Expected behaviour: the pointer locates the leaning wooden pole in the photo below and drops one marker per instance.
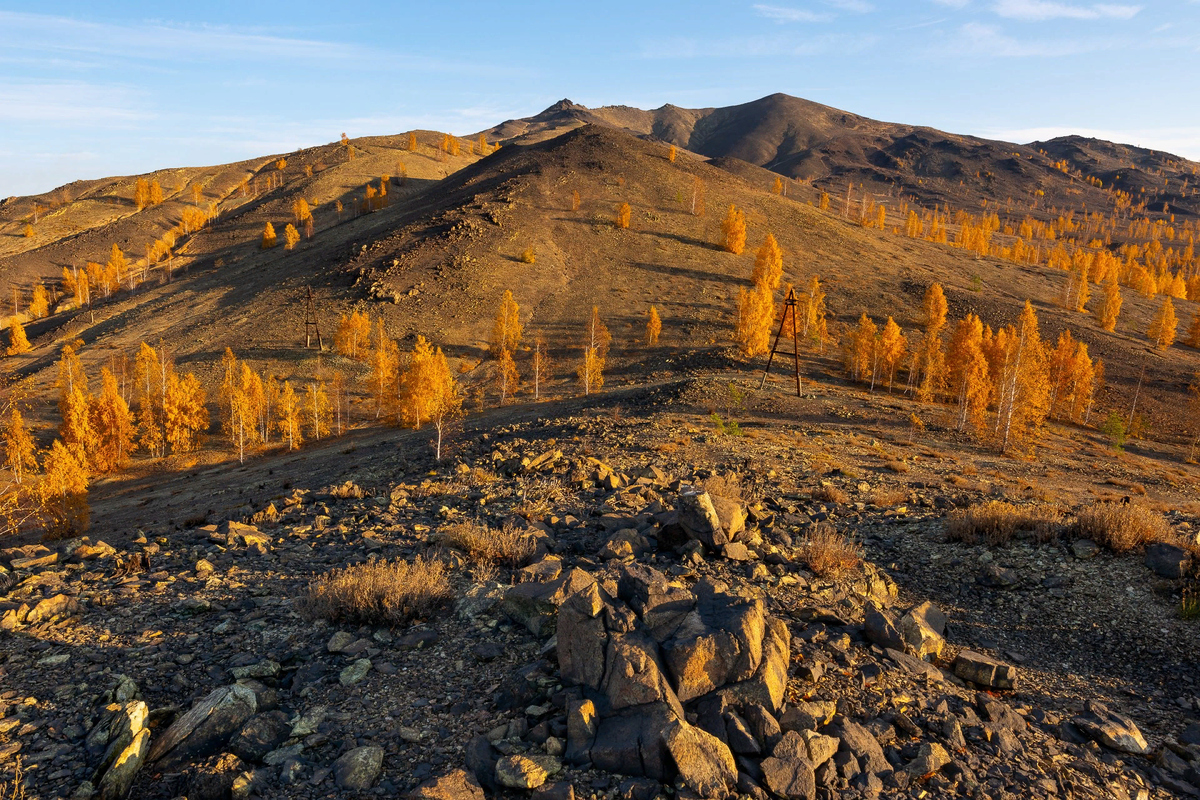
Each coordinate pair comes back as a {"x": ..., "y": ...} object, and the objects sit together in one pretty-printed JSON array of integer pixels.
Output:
[{"x": 789, "y": 310}]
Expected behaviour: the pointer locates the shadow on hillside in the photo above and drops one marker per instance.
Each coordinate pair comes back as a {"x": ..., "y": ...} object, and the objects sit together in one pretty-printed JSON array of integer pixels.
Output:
[{"x": 686, "y": 272}]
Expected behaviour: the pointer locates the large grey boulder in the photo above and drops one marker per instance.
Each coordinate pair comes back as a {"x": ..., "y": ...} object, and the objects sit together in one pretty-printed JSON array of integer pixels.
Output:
[
  {"x": 789, "y": 771},
  {"x": 357, "y": 769},
  {"x": 205, "y": 728},
  {"x": 1114, "y": 731},
  {"x": 699, "y": 520},
  {"x": 985, "y": 671},
  {"x": 1168, "y": 560},
  {"x": 705, "y": 763}
]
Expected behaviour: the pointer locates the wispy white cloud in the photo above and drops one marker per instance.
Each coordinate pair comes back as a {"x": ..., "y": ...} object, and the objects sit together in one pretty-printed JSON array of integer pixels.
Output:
[
  {"x": 784, "y": 14},
  {"x": 757, "y": 46},
  {"x": 953, "y": 3},
  {"x": 162, "y": 45},
  {"x": 853, "y": 6},
  {"x": 978, "y": 39},
  {"x": 1039, "y": 10},
  {"x": 71, "y": 102}
]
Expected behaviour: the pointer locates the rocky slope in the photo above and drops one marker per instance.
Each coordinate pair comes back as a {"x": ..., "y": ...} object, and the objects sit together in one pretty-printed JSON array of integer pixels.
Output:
[{"x": 666, "y": 632}]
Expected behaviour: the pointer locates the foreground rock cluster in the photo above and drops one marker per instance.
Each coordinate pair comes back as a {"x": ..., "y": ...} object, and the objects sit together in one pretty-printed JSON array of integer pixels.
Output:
[{"x": 659, "y": 640}]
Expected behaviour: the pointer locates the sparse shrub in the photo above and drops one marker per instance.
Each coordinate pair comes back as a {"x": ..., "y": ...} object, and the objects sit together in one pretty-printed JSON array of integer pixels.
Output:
[
  {"x": 729, "y": 486},
  {"x": 829, "y": 553},
  {"x": 483, "y": 544},
  {"x": 830, "y": 494},
  {"x": 1189, "y": 606},
  {"x": 1114, "y": 428},
  {"x": 379, "y": 592},
  {"x": 996, "y": 522},
  {"x": 886, "y": 498},
  {"x": 1122, "y": 527},
  {"x": 896, "y": 466},
  {"x": 731, "y": 428},
  {"x": 527, "y": 256}
]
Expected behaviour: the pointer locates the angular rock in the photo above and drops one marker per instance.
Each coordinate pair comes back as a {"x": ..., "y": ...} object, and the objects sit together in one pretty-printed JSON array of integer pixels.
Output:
[
  {"x": 880, "y": 629},
  {"x": 358, "y": 769},
  {"x": 922, "y": 629},
  {"x": 116, "y": 782},
  {"x": 261, "y": 734},
  {"x": 207, "y": 726},
  {"x": 700, "y": 664},
  {"x": 57, "y": 606},
  {"x": 355, "y": 673},
  {"x": 1168, "y": 560},
  {"x": 456, "y": 785},
  {"x": 984, "y": 671},
  {"x": 731, "y": 515},
  {"x": 632, "y": 742},
  {"x": 858, "y": 742},
  {"x": 581, "y": 730},
  {"x": 705, "y": 764},
  {"x": 820, "y": 747},
  {"x": 930, "y": 758},
  {"x": 788, "y": 772},
  {"x": 214, "y": 778},
  {"x": 633, "y": 675},
  {"x": 525, "y": 772},
  {"x": 807, "y": 715},
  {"x": 582, "y": 639},
  {"x": 699, "y": 520},
  {"x": 1114, "y": 731}
]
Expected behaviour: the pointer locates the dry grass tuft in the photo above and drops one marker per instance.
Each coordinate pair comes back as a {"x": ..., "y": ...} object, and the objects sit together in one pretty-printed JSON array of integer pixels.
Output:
[
  {"x": 896, "y": 466},
  {"x": 829, "y": 553},
  {"x": 1121, "y": 527},
  {"x": 1131, "y": 486},
  {"x": 886, "y": 498},
  {"x": 489, "y": 546},
  {"x": 728, "y": 486},
  {"x": 429, "y": 489},
  {"x": 995, "y": 522},
  {"x": 830, "y": 494},
  {"x": 379, "y": 592}
]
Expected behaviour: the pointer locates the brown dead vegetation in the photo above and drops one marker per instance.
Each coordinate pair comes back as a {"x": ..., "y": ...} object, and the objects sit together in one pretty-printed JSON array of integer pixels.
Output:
[
  {"x": 1122, "y": 527},
  {"x": 829, "y": 553},
  {"x": 996, "y": 522},
  {"x": 488, "y": 546},
  {"x": 379, "y": 592}
]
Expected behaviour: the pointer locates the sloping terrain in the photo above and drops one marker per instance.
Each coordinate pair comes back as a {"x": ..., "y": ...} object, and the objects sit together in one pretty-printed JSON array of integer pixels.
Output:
[{"x": 832, "y": 149}]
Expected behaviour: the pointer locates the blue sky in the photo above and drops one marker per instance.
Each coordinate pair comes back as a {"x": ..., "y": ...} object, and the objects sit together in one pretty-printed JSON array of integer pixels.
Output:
[{"x": 90, "y": 89}]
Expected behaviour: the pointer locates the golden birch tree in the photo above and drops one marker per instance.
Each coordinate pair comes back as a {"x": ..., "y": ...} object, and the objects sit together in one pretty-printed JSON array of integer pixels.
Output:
[
  {"x": 269, "y": 239},
  {"x": 768, "y": 264},
  {"x": 1164, "y": 325},
  {"x": 112, "y": 427},
  {"x": 733, "y": 231},
  {"x": 507, "y": 328},
  {"x": 290, "y": 422},
  {"x": 20, "y": 454},
  {"x": 595, "y": 351},
  {"x": 62, "y": 492},
  {"x": 18, "y": 342},
  {"x": 654, "y": 327}
]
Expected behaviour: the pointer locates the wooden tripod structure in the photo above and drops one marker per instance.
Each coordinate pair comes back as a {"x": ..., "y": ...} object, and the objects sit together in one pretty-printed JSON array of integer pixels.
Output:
[
  {"x": 789, "y": 310},
  {"x": 311, "y": 329}
]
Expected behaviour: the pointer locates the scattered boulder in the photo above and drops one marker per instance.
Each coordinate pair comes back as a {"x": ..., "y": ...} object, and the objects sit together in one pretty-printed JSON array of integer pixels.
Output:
[
  {"x": 1114, "y": 731},
  {"x": 205, "y": 728},
  {"x": 699, "y": 520},
  {"x": 456, "y": 785},
  {"x": 705, "y": 764},
  {"x": 1168, "y": 560},
  {"x": 880, "y": 628},
  {"x": 923, "y": 628},
  {"x": 525, "y": 771},
  {"x": 984, "y": 671},
  {"x": 357, "y": 769},
  {"x": 789, "y": 772}
]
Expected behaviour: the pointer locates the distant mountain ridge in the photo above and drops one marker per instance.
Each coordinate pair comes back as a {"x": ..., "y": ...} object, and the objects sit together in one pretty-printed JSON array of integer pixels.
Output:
[{"x": 831, "y": 148}]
